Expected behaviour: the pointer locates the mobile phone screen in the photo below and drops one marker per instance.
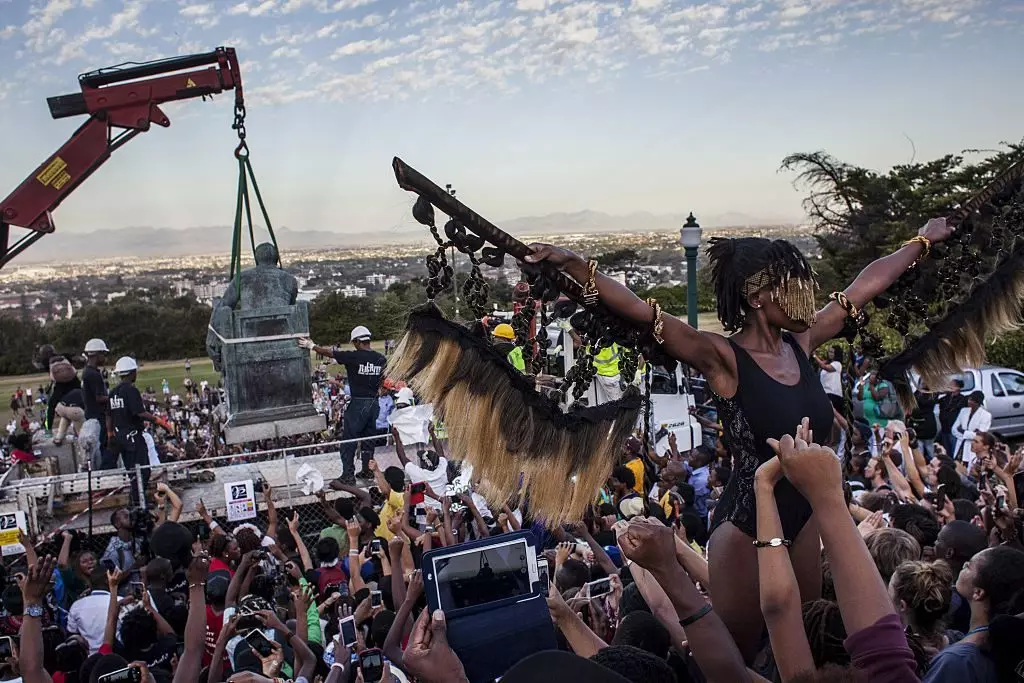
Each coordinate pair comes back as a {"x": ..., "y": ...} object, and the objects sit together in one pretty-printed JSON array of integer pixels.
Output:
[
  {"x": 542, "y": 571},
  {"x": 6, "y": 649},
  {"x": 600, "y": 587},
  {"x": 375, "y": 599},
  {"x": 347, "y": 626},
  {"x": 259, "y": 642}
]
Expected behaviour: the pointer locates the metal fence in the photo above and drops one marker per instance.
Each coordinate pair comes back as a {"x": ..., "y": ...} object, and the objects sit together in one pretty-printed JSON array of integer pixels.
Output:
[{"x": 44, "y": 499}]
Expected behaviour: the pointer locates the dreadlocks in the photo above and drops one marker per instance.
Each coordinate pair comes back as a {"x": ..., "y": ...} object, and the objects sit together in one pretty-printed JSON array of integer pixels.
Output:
[{"x": 745, "y": 265}]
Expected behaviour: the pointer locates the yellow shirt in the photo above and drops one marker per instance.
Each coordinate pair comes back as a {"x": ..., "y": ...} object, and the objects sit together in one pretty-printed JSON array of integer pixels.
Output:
[
  {"x": 636, "y": 466},
  {"x": 666, "y": 504},
  {"x": 392, "y": 506}
]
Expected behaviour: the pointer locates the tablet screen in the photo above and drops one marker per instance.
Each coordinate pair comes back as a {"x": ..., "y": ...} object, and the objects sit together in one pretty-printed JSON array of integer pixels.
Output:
[{"x": 481, "y": 576}]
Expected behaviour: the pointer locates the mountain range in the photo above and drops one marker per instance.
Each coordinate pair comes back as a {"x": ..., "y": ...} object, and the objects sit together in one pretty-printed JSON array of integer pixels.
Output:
[{"x": 153, "y": 242}]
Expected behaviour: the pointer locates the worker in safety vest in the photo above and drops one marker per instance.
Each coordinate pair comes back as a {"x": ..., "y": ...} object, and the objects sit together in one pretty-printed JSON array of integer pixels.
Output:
[
  {"x": 504, "y": 340},
  {"x": 608, "y": 381}
]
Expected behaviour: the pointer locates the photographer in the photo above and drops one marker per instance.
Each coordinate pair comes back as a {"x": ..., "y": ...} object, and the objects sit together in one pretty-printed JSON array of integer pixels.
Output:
[{"x": 124, "y": 550}]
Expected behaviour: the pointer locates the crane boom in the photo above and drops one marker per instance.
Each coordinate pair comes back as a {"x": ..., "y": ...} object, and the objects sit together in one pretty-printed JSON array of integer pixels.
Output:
[{"x": 121, "y": 102}]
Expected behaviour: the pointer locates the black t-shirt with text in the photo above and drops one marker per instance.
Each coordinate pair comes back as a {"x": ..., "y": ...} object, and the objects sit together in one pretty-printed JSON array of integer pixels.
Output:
[
  {"x": 125, "y": 407},
  {"x": 365, "y": 370},
  {"x": 93, "y": 385}
]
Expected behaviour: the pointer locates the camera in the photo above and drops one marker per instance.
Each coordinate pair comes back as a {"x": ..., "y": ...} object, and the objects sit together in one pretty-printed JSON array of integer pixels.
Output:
[{"x": 141, "y": 521}]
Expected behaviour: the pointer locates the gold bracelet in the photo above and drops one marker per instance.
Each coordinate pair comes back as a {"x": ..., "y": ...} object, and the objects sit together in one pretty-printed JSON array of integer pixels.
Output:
[
  {"x": 590, "y": 293},
  {"x": 659, "y": 320},
  {"x": 924, "y": 242},
  {"x": 844, "y": 303}
]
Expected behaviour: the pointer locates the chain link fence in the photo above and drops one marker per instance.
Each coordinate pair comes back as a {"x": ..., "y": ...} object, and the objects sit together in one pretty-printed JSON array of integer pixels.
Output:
[{"x": 58, "y": 503}]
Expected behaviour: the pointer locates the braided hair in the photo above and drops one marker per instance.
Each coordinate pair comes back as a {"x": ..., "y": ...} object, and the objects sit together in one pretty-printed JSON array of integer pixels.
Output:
[
  {"x": 823, "y": 625},
  {"x": 734, "y": 259}
]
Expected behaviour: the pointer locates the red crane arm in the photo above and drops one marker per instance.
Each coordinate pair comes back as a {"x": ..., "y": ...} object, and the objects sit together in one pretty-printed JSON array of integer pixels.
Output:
[{"x": 121, "y": 102}]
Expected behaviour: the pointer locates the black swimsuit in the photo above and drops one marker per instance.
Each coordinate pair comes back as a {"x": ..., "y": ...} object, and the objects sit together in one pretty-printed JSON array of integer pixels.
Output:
[{"x": 765, "y": 409}]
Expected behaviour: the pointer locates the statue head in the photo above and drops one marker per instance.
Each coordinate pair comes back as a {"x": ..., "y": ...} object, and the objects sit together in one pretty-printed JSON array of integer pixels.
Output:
[{"x": 266, "y": 254}]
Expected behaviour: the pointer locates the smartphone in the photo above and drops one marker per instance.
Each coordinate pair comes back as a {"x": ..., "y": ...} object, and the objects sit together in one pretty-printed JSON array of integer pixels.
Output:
[
  {"x": 347, "y": 626},
  {"x": 259, "y": 642},
  {"x": 1000, "y": 502},
  {"x": 137, "y": 589},
  {"x": 542, "y": 574},
  {"x": 376, "y": 599},
  {"x": 6, "y": 648},
  {"x": 375, "y": 545},
  {"x": 129, "y": 674},
  {"x": 371, "y": 664},
  {"x": 600, "y": 587},
  {"x": 940, "y": 496}
]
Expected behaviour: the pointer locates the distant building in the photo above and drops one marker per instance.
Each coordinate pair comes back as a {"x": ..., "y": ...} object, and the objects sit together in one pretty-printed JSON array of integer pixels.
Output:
[
  {"x": 352, "y": 291},
  {"x": 308, "y": 294}
]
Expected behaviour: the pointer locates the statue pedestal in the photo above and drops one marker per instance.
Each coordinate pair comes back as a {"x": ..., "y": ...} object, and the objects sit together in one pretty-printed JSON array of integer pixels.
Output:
[{"x": 267, "y": 376}]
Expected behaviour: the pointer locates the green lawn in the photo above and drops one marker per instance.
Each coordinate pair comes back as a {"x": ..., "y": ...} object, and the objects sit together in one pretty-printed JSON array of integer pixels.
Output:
[{"x": 151, "y": 373}]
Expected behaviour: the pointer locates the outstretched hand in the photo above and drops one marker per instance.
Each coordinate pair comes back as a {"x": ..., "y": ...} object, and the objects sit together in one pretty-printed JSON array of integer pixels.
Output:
[
  {"x": 556, "y": 256},
  {"x": 814, "y": 470},
  {"x": 936, "y": 230}
]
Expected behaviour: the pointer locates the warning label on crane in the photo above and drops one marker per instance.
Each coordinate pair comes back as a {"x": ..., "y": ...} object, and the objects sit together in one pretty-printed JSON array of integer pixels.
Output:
[
  {"x": 190, "y": 83},
  {"x": 54, "y": 173}
]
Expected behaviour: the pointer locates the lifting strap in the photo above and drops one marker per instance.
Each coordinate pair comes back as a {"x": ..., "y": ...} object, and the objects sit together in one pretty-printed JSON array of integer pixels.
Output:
[{"x": 245, "y": 177}]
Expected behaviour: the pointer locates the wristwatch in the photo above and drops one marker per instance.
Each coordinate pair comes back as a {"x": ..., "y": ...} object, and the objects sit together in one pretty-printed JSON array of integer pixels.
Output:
[{"x": 33, "y": 611}]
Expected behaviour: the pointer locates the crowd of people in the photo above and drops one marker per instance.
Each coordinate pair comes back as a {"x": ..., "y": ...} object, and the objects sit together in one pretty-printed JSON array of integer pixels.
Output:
[{"x": 819, "y": 534}]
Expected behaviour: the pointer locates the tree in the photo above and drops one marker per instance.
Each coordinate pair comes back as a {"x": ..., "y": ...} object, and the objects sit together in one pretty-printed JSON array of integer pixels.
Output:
[
  {"x": 18, "y": 342},
  {"x": 860, "y": 215}
]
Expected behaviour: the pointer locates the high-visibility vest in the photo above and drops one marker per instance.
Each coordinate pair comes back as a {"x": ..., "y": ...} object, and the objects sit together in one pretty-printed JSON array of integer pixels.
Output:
[
  {"x": 515, "y": 357},
  {"x": 606, "y": 361}
]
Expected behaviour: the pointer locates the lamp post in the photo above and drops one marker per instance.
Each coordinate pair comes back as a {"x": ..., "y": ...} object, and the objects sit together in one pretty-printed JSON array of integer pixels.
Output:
[
  {"x": 689, "y": 235},
  {"x": 455, "y": 272}
]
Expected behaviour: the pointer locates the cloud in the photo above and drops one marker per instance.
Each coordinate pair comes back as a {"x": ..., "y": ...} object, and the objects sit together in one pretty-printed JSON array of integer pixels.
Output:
[
  {"x": 346, "y": 50},
  {"x": 359, "y": 47}
]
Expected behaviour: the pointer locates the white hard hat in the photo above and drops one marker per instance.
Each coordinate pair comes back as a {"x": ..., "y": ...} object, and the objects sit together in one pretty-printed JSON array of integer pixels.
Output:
[
  {"x": 405, "y": 395},
  {"x": 124, "y": 365},
  {"x": 361, "y": 333},
  {"x": 96, "y": 346}
]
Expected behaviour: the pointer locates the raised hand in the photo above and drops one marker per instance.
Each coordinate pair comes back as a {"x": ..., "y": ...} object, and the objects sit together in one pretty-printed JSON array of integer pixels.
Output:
[
  {"x": 35, "y": 583},
  {"x": 556, "y": 256},
  {"x": 812, "y": 469},
  {"x": 936, "y": 230},
  {"x": 428, "y": 656},
  {"x": 870, "y": 523},
  {"x": 198, "y": 570},
  {"x": 293, "y": 524},
  {"x": 415, "y": 588},
  {"x": 652, "y": 546}
]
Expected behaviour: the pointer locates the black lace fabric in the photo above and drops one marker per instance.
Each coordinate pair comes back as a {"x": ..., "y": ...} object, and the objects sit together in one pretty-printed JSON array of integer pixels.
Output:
[{"x": 737, "y": 504}]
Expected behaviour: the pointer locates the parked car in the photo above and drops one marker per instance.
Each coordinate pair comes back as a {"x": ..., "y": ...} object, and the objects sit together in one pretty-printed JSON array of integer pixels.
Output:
[{"x": 1004, "y": 396}]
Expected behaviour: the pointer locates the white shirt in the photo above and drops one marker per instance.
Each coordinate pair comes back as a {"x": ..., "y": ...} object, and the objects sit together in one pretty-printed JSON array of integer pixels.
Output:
[
  {"x": 966, "y": 428},
  {"x": 88, "y": 618},
  {"x": 437, "y": 480},
  {"x": 832, "y": 382}
]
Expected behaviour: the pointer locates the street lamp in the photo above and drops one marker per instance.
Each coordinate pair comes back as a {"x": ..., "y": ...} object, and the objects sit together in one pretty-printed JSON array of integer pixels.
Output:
[{"x": 689, "y": 235}]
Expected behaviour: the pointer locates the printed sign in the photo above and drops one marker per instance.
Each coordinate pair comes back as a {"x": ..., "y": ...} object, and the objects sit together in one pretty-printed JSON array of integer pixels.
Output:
[
  {"x": 240, "y": 497},
  {"x": 10, "y": 524}
]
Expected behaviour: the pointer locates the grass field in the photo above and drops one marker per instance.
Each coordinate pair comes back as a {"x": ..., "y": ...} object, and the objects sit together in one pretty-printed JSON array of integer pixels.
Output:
[{"x": 153, "y": 372}]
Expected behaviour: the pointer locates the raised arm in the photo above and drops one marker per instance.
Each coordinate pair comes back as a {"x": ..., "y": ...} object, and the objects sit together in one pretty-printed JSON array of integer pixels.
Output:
[
  {"x": 300, "y": 545},
  {"x": 699, "y": 349},
  {"x": 780, "y": 593},
  {"x": 268, "y": 497},
  {"x": 399, "y": 448},
  {"x": 195, "y": 627},
  {"x": 34, "y": 588},
  {"x": 876, "y": 277}
]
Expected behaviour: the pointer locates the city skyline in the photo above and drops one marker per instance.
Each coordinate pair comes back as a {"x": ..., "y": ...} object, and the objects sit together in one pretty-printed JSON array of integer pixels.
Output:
[{"x": 528, "y": 107}]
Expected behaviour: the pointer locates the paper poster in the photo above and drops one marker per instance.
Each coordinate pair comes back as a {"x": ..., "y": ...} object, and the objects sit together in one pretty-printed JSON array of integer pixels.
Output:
[
  {"x": 10, "y": 524},
  {"x": 241, "y": 500}
]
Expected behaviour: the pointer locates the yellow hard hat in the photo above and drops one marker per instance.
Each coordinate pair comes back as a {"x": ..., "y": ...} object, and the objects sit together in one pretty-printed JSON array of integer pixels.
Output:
[{"x": 504, "y": 331}]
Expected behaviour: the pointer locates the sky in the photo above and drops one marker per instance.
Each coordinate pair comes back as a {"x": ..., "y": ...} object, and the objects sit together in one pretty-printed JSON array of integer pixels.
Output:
[{"x": 528, "y": 107}]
